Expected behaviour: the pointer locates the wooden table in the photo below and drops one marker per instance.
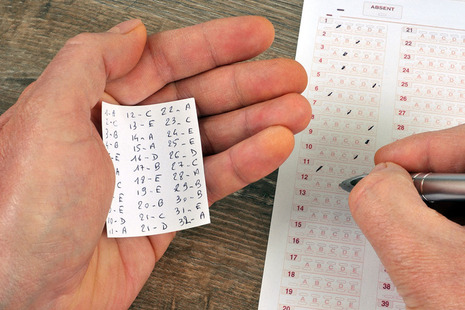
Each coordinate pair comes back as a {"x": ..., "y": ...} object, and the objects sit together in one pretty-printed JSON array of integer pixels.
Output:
[{"x": 218, "y": 266}]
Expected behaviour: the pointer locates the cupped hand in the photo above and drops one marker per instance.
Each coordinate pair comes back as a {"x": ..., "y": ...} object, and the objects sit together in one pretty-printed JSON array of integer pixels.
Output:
[
  {"x": 422, "y": 251},
  {"x": 57, "y": 178}
]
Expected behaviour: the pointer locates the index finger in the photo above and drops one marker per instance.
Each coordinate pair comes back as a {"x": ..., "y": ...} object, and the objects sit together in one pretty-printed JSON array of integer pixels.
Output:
[
  {"x": 178, "y": 54},
  {"x": 438, "y": 151}
]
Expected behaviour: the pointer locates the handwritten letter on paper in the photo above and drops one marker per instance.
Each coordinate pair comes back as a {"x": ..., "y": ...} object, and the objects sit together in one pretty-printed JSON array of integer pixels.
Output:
[{"x": 157, "y": 156}]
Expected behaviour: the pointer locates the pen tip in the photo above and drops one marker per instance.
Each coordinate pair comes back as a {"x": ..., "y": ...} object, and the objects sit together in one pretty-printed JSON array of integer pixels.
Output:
[{"x": 350, "y": 183}]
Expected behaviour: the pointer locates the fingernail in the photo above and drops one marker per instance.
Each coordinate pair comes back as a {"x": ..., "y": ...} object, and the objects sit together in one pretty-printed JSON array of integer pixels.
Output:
[
  {"x": 126, "y": 27},
  {"x": 392, "y": 167},
  {"x": 379, "y": 167}
]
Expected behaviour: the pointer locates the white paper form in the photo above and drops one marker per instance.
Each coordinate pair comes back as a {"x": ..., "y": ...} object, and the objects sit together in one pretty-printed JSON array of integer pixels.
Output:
[
  {"x": 157, "y": 155},
  {"x": 377, "y": 72}
]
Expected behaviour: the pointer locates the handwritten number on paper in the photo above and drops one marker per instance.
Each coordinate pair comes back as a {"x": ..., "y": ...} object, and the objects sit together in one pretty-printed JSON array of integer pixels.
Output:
[{"x": 158, "y": 168}]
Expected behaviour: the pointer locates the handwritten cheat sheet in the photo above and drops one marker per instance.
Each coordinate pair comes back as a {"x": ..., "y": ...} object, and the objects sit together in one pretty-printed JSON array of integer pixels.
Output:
[
  {"x": 378, "y": 72},
  {"x": 157, "y": 155}
]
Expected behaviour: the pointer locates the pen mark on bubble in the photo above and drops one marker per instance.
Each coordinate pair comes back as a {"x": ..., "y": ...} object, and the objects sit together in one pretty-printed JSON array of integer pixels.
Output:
[
  {"x": 367, "y": 141},
  {"x": 371, "y": 127},
  {"x": 343, "y": 67},
  {"x": 345, "y": 54},
  {"x": 355, "y": 157},
  {"x": 338, "y": 26},
  {"x": 319, "y": 168},
  {"x": 373, "y": 85},
  {"x": 330, "y": 94},
  {"x": 358, "y": 41},
  {"x": 348, "y": 112}
]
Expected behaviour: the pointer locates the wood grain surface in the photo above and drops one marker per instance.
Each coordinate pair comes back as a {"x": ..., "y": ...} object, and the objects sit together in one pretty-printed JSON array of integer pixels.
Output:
[{"x": 218, "y": 266}]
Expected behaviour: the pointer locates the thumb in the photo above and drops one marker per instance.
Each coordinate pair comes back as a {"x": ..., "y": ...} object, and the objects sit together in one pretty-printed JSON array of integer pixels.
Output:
[
  {"x": 421, "y": 250},
  {"x": 75, "y": 80}
]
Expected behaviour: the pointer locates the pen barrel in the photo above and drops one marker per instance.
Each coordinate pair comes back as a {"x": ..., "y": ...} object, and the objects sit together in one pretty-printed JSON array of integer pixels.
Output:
[{"x": 440, "y": 186}]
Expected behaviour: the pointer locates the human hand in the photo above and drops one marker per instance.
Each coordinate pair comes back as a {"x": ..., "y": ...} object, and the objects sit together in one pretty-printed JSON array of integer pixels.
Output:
[
  {"x": 58, "y": 180},
  {"x": 422, "y": 251}
]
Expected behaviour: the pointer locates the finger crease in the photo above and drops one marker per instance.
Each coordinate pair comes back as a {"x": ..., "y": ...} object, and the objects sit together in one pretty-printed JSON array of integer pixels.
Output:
[
  {"x": 179, "y": 91},
  {"x": 211, "y": 50},
  {"x": 162, "y": 65},
  {"x": 237, "y": 90},
  {"x": 205, "y": 139},
  {"x": 429, "y": 149},
  {"x": 248, "y": 129},
  {"x": 237, "y": 172}
]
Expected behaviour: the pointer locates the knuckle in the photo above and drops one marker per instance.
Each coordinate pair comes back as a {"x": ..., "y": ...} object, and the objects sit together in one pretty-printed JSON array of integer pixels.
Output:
[
  {"x": 370, "y": 190},
  {"x": 84, "y": 49},
  {"x": 81, "y": 39},
  {"x": 83, "y": 45}
]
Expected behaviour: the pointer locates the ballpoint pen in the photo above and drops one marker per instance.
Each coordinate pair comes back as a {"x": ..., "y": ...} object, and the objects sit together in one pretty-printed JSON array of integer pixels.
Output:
[{"x": 431, "y": 186}]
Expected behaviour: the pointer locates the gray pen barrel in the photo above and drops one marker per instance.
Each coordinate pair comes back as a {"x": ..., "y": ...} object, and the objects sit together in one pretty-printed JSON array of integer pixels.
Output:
[{"x": 440, "y": 186}]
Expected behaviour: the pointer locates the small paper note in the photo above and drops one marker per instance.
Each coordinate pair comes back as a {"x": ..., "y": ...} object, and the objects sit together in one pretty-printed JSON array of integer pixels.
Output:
[{"x": 157, "y": 156}]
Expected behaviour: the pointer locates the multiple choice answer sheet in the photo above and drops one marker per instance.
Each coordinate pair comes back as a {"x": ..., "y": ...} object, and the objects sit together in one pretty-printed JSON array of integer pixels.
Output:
[
  {"x": 378, "y": 72},
  {"x": 157, "y": 156}
]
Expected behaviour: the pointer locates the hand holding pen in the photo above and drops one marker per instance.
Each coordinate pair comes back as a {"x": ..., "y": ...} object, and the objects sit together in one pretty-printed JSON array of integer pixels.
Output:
[
  {"x": 431, "y": 186},
  {"x": 422, "y": 251}
]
